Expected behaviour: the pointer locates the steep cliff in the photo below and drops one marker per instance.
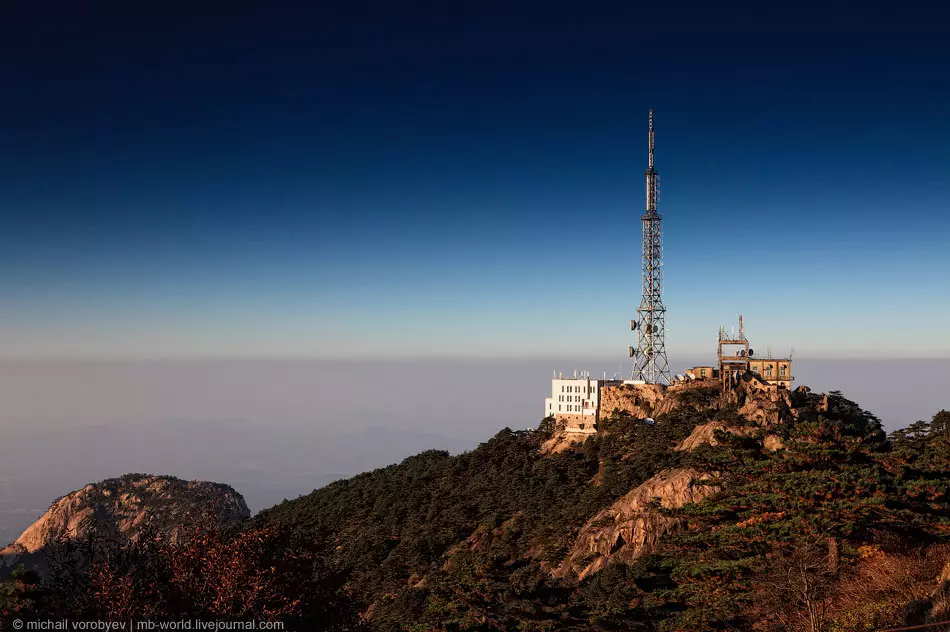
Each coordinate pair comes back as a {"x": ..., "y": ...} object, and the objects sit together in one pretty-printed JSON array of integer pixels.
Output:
[
  {"x": 639, "y": 400},
  {"x": 123, "y": 506}
]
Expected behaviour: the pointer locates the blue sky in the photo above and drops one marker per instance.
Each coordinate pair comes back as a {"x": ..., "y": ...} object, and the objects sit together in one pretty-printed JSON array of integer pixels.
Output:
[{"x": 468, "y": 180}]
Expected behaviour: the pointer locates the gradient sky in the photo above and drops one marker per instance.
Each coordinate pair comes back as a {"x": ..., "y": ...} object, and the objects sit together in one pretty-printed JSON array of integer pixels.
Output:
[{"x": 362, "y": 179}]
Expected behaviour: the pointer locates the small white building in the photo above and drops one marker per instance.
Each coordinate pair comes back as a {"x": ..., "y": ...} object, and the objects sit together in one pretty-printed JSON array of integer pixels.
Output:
[{"x": 575, "y": 401}]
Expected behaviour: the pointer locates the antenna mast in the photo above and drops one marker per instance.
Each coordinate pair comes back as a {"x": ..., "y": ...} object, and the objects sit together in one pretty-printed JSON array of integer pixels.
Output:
[{"x": 650, "y": 364}]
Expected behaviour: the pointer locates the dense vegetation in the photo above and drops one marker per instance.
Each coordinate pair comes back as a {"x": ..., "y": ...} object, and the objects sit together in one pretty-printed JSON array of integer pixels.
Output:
[
  {"x": 839, "y": 527},
  {"x": 388, "y": 524}
]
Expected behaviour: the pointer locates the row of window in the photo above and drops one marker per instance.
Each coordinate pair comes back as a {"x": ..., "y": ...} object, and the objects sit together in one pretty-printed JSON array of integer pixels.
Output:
[
  {"x": 781, "y": 370},
  {"x": 571, "y": 408},
  {"x": 577, "y": 389},
  {"x": 567, "y": 398}
]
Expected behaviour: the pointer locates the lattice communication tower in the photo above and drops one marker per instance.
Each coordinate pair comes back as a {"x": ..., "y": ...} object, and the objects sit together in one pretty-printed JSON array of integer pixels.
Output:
[{"x": 649, "y": 356}]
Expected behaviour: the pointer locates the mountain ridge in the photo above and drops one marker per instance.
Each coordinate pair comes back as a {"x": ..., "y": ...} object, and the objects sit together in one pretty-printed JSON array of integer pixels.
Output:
[{"x": 688, "y": 524}]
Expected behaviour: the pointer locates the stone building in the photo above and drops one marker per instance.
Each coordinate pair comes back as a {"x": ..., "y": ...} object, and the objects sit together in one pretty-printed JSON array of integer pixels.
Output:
[
  {"x": 703, "y": 372},
  {"x": 777, "y": 371}
]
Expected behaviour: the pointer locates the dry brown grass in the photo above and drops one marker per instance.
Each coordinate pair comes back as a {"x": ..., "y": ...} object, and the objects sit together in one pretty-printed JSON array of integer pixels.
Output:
[
  {"x": 885, "y": 588},
  {"x": 800, "y": 590}
]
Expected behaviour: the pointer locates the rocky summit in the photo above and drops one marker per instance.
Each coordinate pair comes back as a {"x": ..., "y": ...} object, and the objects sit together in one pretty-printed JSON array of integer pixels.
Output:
[{"x": 122, "y": 507}]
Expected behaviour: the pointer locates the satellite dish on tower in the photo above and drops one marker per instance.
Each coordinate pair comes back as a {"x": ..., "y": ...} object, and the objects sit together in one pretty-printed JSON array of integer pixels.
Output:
[{"x": 751, "y": 352}]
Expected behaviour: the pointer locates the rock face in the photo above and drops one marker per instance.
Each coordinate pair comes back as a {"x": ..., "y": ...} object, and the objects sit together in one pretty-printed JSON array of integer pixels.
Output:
[
  {"x": 702, "y": 435},
  {"x": 632, "y": 525},
  {"x": 705, "y": 434},
  {"x": 639, "y": 400},
  {"x": 561, "y": 441},
  {"x": 650, "y": 400},
  {"x": 124, "y": 505},
  {"x": 765, "y": 405}
]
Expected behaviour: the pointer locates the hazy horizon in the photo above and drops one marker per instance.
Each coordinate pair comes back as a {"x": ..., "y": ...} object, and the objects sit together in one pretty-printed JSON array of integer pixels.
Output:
[{"x": 276, "y": 429}]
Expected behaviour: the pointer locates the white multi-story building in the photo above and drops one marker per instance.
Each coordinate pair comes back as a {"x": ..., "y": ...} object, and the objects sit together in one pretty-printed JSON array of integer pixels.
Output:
[{"x": 576, "y": 402}]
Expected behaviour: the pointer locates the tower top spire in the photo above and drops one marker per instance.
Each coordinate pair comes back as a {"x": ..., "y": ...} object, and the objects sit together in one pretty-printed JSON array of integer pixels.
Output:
[
  {"x": 651, "y": 138},
  {"x": 651, "y": 176}
]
